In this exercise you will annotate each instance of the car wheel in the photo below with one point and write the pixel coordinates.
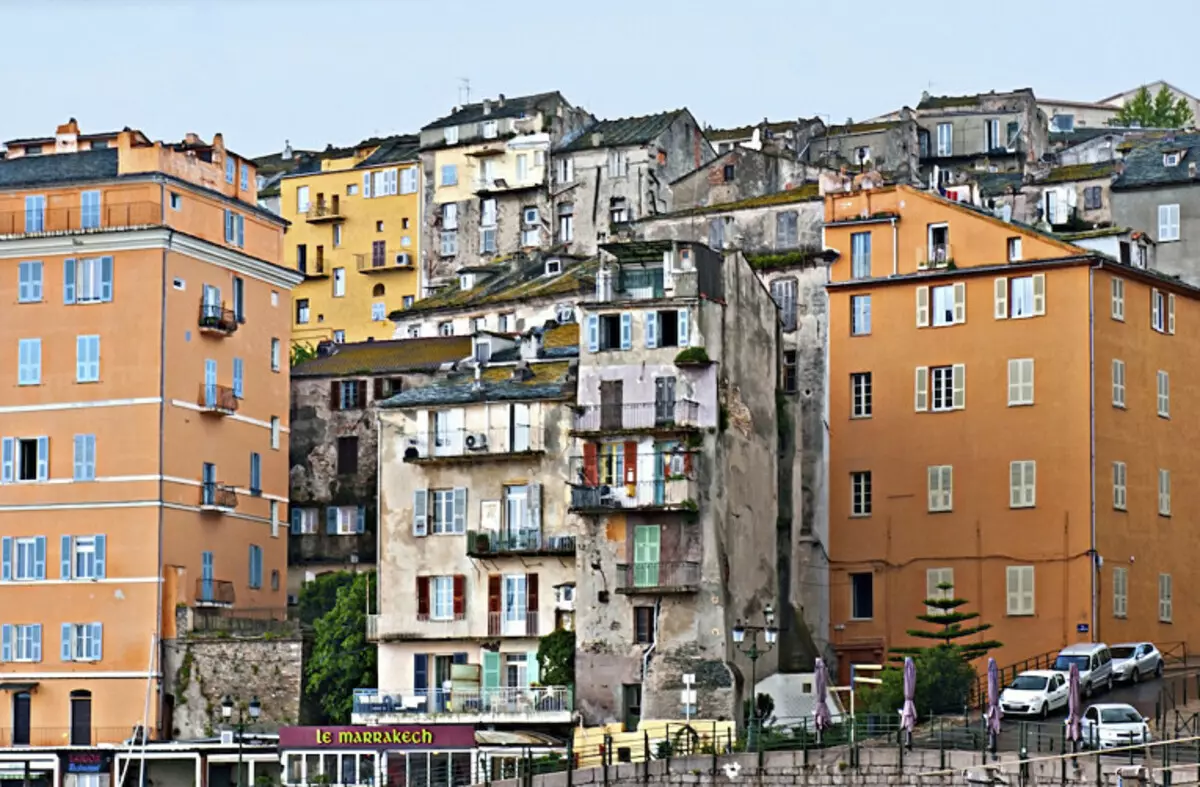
(1158, 670)
(1045, 714)
(1109, 683)
(1134, 677)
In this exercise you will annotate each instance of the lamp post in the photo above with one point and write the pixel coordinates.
(770, 634)
(254, 708)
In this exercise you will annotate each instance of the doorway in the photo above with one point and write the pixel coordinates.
(81, 718)
(20, 718)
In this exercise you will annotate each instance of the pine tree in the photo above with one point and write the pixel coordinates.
(1162, 110)
(951, 620)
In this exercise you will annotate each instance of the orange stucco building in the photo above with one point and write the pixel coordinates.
(1009, 414)
(143, 420)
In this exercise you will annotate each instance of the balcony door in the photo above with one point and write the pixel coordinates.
(208, 486)
(20, 718)
(519, 427)
(212, 302)
(206, 576)
(647, 547)
(515, 600)
(81, 718)
(664, 400)
(210, 382)
(611, 396)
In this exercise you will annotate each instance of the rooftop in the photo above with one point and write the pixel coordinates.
(544, 380)
(1074, 172)
(946, 102)
(62, 168)
(745, 132)
(861, 128)
(387, 357)
(1144, 165)
(393, 150)
(623, 131)
(516, 279)
(500, 107)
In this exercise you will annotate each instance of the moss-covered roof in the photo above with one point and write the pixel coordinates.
(520, 281)
(945, 102)
(861, 128)
(541, 373)
(401, 355)
(742, 132)
(1102, 169)
(566, 335)
(546, 380)
(1102, 232)
(802, 193)
(797, 258)
(623, 131)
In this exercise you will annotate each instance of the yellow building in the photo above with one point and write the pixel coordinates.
(355, 234)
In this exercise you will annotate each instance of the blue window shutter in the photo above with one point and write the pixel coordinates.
(532, 668)
(43, 458)
(9, 474)
(39, 557)
(67, 632)
(420, 672)
(251, 572)
(106, 279)
(626, 331)
(362, 519)
(241, 230)
(683, 327)
(295, 521)
(460, 509)
(68, 281)
(593, 333)
(420, 512)
(237, 378)
(460, 658)
(651, 329)
(331, 517)
(101, 550)
(36, 641)
(6, 642)
(6, 547)
(97, 641)
(366, 187)
(491, 670)
(79, 457)
(65, 562)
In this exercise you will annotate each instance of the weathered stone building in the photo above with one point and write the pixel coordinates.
(674, 481)
(334, 441)
(737, 174)
(988, 131)
(618, 171)
(891, 146)
(1068, 199)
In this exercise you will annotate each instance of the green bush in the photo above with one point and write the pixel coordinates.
(696, 355)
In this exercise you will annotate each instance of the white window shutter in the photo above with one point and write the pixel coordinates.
(1118, 298)
(934, 478)
(1029, 483)
(947, 488)
(922, 307)
(1014, 381)
(959, 373)
(1039, 294)
(960, 303)
(921, 394)
(1171, 313)
(1155, 317)
(1014, 484)
(1000, 290)
(366, 189)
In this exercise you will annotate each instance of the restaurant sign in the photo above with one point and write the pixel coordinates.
(416, 736)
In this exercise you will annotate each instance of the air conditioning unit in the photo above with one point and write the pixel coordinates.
(403, 258)
(226, 737)
(414, 449)
(476, 441)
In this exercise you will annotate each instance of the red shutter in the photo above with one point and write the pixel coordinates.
(334, 400)
(531, 593)
(422, 597)
(460, 596)
(362, 393)
(687, 464)
(631, 462)
(494, 593)
(590, 476)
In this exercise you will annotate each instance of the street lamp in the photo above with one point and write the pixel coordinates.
(770, 634)
(255, 709)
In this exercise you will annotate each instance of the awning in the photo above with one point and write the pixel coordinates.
(18, 686)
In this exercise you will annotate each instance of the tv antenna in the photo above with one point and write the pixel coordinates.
(464, 90)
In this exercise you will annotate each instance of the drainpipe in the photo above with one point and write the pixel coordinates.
(1092, 553)
(648, 652)
(895, 249)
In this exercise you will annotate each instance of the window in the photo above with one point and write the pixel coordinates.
(783, 292)
(1062, 123)
(553, 268)
(1168, 222)
(89, 210)
(302, 200)
(349, 394)
(941, 487)
(942, 388)
(275, 355)
(88, 280)
(407, 302)
(1020, 381)
(1120, 498)
(1162, 311)
(442, 591)
(275, 432)
(787, 234)
(85, 457)
(1118, 383)
(35, 213)
(347, 455)
(450, 135)
(176, 201)
(378, 312)
(613, 332)
(860, 395)
(1118, 299)
(29, 282)
(862, 596)
(445, 328)
(408, 181)
(618, 210)
(790, 379)
(304, 521)
(378, 254)
(87, 359)
(1120, 583)
(25, 459)
(230, 168)
(860, 255)
(235, 228)
(255, 474)
(565, 170)
(860, 493)
(566, 222)
(949, 388)
(82, 641)
(301, 311)
(445, 515)
(618, 163)
(29, 362)
(948, 302)
(860, 315)
(1020, 296)
(945, 139)
(611, 464)
(379, 226)
(1164, 395)
(24, 559)
(502, 322)
(239, 378)
(939, 585)
(1014, 249)
(339, 282)
(716, 233)
(727, 173)
(489, 129)
(1022, 484)
(487, 240)
(1165, 598)
(1164, 492)
(245, 177)
(449, 175)
(21, 642)
(991, 135)
(256, 566)
(1019, 584)
(83, 557)
(1091, 198)
(643, 625)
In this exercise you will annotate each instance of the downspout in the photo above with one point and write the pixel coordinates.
(378, 518)
(648, 652)
(895, 249)
(1093, 555)
(162, 427)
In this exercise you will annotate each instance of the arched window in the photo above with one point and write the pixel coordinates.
(378, 291)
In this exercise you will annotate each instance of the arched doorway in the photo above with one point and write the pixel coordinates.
(21, 703)
(81, 718)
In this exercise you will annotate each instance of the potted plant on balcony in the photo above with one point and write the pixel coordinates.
(693, 356)
(482, 543)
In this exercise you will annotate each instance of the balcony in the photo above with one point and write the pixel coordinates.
(223, 619)
(649, 417)
(665, 494)
(314, 269)
(214, 593)
(321, 212)
(658, 578)
(532, 705)
(489, 544)
(937, 255)
(130, 215)
(409, 627)
(390, 261)
(640, 283)
(217, 498)
(75, 735)
(216, 320)
(514, 441)
(217, 399)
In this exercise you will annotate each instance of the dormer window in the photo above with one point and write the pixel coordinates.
(488, 129)
(466, 282)
(483, 351)
(1171, 159)
(565, 314)
(450, 134)
(553, 267)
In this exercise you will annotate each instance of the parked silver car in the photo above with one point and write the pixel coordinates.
(1132, 661)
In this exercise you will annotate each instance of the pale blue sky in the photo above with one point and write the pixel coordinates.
(317, 71)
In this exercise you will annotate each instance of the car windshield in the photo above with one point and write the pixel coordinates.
(1123, 652)
(1119, 716)
(1063, 663)
(1028, 683)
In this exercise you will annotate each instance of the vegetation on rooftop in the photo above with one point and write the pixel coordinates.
(1100, 169)
(692, 355)
(801, 193)
(785, 259)
(1160, 111)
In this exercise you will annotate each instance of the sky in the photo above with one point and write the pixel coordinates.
(314, 72)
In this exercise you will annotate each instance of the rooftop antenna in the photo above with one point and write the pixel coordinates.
(464, 90)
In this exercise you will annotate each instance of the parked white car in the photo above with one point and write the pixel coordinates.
(1035, 693)
(1112, 725)
(1133, 661)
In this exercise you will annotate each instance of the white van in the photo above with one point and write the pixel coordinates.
(1095, 666)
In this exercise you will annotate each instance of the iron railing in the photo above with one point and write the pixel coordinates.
(219, 399)
(215, 317)
(63, 736)
(51, 220)
(242, 620)
(675, 493)
(323, 212)
(215, 495)
(513, 701)
(427, 445)
(670, 414)
(215, 591)
(312, 268)
(484, 543)
(660, 577)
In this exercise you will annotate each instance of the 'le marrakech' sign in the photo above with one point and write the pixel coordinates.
(430, 736)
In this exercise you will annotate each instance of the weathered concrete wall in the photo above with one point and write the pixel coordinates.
(202, 669)
(1138, 209)
(754, 174)
(895, 148)
(753, 229)
(1034, 202)
(592, 192)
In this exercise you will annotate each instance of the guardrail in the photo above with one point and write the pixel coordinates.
(517, 701)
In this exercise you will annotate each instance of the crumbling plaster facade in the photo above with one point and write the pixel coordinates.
(966, 118)
(737, 174)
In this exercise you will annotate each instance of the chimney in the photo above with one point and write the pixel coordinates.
(191, 139)
(597, 138)
(487, 106)
(925, 96)
(287, 149)
(500, 100)
(66, 137)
